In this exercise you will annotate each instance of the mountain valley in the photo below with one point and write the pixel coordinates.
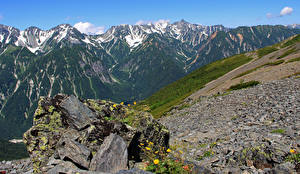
(126, 63)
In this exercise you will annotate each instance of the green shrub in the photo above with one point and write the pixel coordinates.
(159, 160)
(292, 41)
(206, 154)
(295, 158)
(288, 52)
(246, 72)
(278, 131)
(185, 105)
(267, 50)
(244, 85)
(293, 60)
(274, 63)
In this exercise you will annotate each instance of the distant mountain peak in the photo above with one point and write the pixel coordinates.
(183, 21)
(32, 28)
(294, 26)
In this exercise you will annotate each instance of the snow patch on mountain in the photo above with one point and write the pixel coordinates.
(133, 41)
(37, 40)
(107, 36)
(135, 37)
(62, 34)
(1, 38)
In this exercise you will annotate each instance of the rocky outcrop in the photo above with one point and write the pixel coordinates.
(23, 166)
(69, 134)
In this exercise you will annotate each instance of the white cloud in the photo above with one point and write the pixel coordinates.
(158, 22)
(269, 15)
(142, 22)
(88, 28)
(286, 11)
(162, 21)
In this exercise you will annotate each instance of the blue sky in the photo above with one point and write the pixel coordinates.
(102, 14)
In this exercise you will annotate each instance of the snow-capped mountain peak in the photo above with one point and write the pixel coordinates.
(41, 41)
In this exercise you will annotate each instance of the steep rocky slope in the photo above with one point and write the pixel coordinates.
(250, 130)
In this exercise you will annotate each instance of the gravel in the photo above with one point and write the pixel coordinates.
(234, 128)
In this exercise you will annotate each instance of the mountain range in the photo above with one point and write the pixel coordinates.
(126, 63)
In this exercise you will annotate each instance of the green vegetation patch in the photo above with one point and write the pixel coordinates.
(278, 131)
(247, 72)
(295, 158)
(173, 94)
(288, 52)
(265, 51)
(292, 41)
(184, 105)
(244, 85)
(254, 69)
(293, 60)
(12, 151)
(206, 154)
(274, 63)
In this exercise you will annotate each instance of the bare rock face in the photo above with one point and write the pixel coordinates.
(77, 114)
(112, 156)
(66, 129)
(75, 152)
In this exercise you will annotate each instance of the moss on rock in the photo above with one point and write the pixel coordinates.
(52, 122)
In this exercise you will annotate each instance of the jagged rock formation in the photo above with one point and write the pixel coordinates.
(73, 135)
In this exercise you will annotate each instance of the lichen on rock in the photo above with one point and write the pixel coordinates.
(85, 124)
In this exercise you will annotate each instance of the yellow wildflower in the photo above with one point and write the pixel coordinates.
(114, 105)
(148, 148)
(156, 161)
(150, 143)
(180, 151)
(128, 104)
(169, 150)
(141, 144)
(134, 103)
(292, 151)
(122, 103)
(156, 152)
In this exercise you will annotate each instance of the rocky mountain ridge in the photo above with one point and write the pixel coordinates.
(38, 41)
(113, 65)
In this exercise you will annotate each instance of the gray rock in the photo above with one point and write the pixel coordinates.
(29, 172)
(133, 171)
(71, 150)
(284, 168)
(254, 128)
(66, 167)
(112, 155)
(78, 115)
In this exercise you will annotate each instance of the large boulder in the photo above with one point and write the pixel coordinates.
(68, 129)
(112, 156)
